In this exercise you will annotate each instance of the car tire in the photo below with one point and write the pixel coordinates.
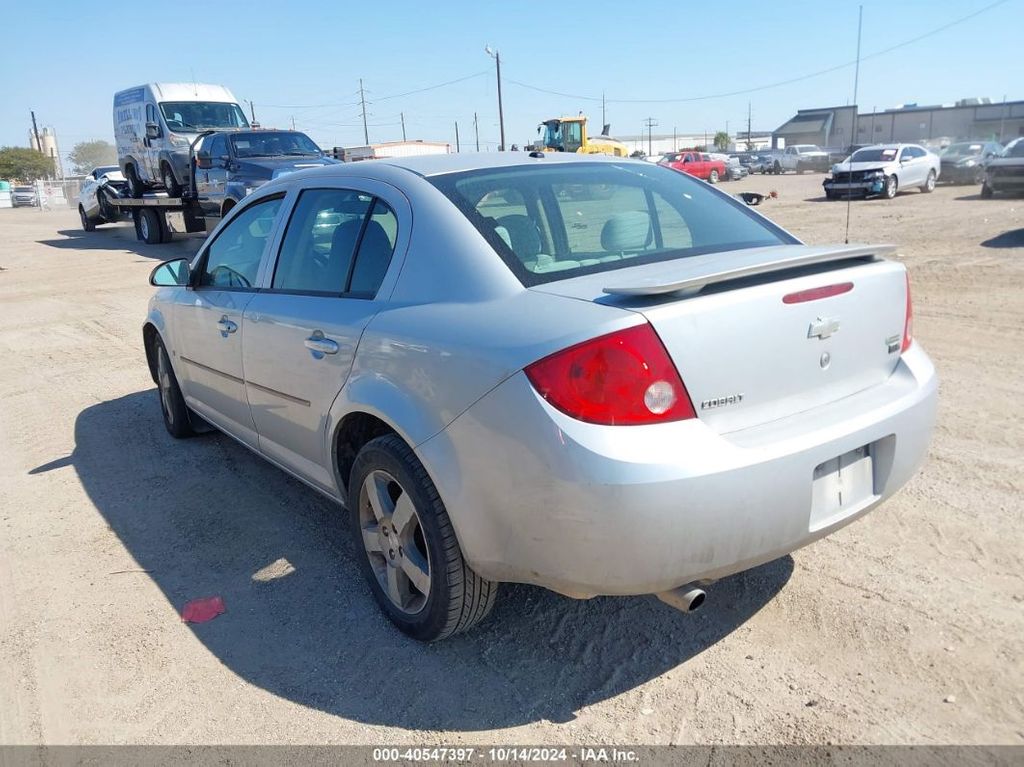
(134, 183)
(406, 546)
(172, 404)
(777, 169)
(929, 184)
(986, 191)
(979, 175)
(171, 185)
(148, 227)
(890, 188)
(713, 176)
(87, 223)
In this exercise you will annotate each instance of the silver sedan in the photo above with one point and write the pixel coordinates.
(592, 374)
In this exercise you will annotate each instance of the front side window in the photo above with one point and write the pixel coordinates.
(338, 242)
(202, 115)
(550, 223)
(218, 147)
(233, 259)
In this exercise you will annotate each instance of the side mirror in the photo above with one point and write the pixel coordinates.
(175, 273)
(152, 130)
(224, 160)
(203, 160)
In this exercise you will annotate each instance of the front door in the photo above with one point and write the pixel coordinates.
(209, 320)
(300, 335)
(211, 182)
(913, 168)
(151, 159)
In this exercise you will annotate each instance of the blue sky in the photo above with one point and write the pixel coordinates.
(303, 60)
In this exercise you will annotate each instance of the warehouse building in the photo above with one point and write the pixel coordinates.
(936, 125)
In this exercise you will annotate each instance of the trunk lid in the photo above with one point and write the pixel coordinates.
(748, 357)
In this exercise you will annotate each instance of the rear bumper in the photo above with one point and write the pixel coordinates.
(538, 497)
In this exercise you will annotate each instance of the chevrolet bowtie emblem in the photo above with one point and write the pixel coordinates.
(823, 327)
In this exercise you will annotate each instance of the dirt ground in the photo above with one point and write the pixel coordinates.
(906, 627)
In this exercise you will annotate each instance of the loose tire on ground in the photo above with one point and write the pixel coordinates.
(87, 224)
(172, 404)
(387, 473)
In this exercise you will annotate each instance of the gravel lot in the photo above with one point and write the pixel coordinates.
(907, 626)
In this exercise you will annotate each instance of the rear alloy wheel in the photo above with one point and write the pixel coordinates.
(87, 223)
(170, 183)
(713, 177)
(891, 186)
(929, 185)
(411, 558)
(172, 404)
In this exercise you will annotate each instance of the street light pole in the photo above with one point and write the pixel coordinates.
(501, 114)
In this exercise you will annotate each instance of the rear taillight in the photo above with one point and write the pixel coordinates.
(908, 323)
(625, 378)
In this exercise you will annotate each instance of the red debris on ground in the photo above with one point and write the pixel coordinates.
(202, 610)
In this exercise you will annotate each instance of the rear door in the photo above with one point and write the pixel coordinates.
(208, 321)
(913, 167)
(301, 333)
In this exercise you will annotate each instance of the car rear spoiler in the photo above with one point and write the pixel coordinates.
(746, 264)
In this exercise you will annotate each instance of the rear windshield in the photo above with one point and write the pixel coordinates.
(565, 220)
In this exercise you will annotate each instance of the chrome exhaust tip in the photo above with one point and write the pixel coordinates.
(686, 598)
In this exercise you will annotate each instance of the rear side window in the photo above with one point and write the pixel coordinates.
(338, 242)
(550, 223)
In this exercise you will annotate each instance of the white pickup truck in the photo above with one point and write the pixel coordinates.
(801, 157)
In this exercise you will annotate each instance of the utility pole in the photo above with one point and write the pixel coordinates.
(402, 115)
(650, 122)
(362, 101)
(35, 130)
(501, 113)
(293, 122)
(604, 120)
(476, 130)
(675, 141)
(457, 147)
(252, 112)
(750, 146)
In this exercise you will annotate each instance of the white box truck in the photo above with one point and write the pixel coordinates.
(155, 124)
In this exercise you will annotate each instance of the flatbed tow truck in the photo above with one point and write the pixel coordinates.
(150, 212)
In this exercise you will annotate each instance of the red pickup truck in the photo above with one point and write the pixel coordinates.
(696, 164)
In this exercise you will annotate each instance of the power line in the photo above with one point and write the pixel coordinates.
(778, 84)
(380, 98)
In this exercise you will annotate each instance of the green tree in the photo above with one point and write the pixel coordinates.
(21, 164)
(87, 155)
(721, 141)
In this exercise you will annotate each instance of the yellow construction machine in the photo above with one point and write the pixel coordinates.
(569, 134)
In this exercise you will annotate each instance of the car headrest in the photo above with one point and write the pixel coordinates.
(627, 231)
(523, 233)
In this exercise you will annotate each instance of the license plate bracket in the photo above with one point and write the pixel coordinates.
(842, 486)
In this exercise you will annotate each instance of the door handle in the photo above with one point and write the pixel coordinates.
(317, 344)
(226, 326)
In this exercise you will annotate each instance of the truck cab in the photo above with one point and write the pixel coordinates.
(697, 164)
(230, 164)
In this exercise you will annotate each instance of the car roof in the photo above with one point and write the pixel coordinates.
(458, 162)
